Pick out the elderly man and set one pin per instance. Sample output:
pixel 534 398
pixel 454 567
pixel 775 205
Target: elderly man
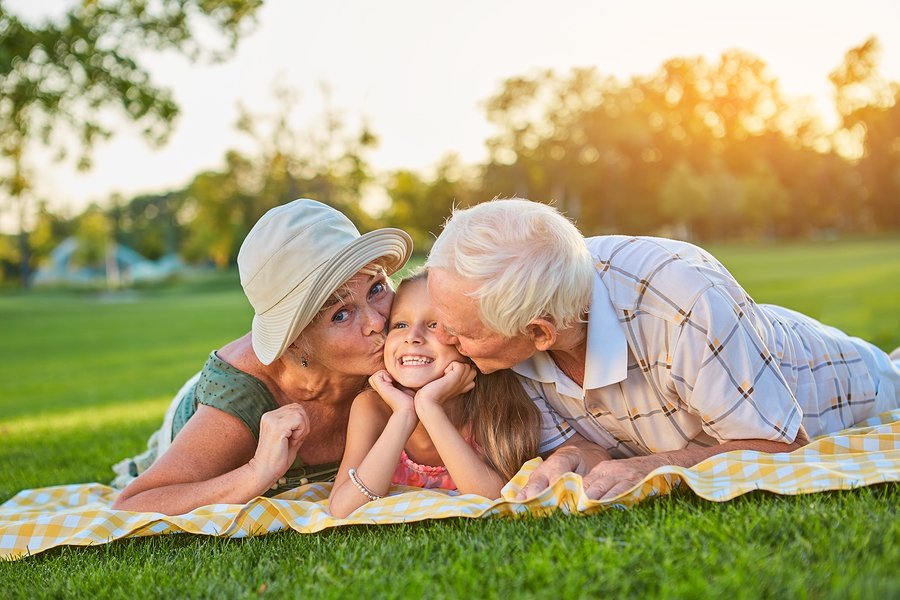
pixel 646 347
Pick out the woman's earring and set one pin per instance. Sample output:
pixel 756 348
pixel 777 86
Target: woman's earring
pixel 304 362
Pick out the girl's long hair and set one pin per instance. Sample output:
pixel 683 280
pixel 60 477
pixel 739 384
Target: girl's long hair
pixel 504 422
pixel 501 418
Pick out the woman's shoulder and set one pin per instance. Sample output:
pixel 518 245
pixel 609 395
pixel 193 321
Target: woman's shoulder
pixel 220 378
pixel 225 387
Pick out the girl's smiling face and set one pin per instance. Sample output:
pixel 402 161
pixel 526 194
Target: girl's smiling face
pixel 412 353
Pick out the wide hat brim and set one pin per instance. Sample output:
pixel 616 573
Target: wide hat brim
pixel 277 328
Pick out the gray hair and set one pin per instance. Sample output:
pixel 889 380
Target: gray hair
pixel 528 260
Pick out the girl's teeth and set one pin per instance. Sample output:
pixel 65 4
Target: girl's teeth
pixel 408 360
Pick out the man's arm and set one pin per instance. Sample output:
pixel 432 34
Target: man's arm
pixel 610 478
pixel 607 478
pixel 717 355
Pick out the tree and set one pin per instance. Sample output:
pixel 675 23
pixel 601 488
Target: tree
pixel 94 235
pixel 9 257
pixel 711 148
pixel 63 76
pixel 684 199
pixel 219 207
pixel 147 223
pixel 48 230
pixel 420 206
pixel 764 201
pixel 869 107
pixel 325 162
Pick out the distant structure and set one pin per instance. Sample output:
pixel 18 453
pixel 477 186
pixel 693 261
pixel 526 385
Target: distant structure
pixel 123 267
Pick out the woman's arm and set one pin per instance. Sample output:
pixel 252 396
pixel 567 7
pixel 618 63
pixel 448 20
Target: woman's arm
pixel 215 459
pixel 470 472
pixel 376 434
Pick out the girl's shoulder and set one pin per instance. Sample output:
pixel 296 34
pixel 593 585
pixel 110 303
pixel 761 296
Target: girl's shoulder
pixel 369 402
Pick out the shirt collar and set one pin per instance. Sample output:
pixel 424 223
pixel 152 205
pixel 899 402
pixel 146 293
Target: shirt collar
pixel 607 350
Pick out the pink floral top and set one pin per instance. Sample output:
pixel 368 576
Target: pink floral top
pixel 423 476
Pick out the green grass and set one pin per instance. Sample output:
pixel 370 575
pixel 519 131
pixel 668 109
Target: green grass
pixel 85 377
pixel 83 381
pixel 853 286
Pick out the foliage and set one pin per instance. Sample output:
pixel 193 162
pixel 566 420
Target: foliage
pixel 710 150
pixel 326 162
pixel 420 206
pixel 699 149
pixel 148 223
pixel 9 257
pixel 870 107
pixel 94 236
pixel 66 72
pixel 58 78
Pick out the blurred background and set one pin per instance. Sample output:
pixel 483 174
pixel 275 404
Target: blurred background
pixel 141 139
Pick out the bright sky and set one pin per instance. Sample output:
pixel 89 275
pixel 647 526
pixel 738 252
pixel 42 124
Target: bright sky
pixel 418 72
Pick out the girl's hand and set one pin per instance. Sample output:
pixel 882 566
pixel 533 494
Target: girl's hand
pixel 458 379
pixel 281 433
pixel 397 399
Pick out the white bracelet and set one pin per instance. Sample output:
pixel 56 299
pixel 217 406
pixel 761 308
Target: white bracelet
pixel 362 487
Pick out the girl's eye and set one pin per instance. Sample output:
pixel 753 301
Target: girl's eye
pixel 432 325
pixel 340 316
pixel 399 325
pixel 377 289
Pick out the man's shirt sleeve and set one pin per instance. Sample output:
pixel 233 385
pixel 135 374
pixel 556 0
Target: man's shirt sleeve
pixel 725 374
pixel 554 429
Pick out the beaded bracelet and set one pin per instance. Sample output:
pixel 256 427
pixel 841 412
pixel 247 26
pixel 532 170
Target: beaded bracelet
pixel 362 487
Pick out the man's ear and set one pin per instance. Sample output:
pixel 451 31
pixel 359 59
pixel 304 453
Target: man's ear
pixel 542 333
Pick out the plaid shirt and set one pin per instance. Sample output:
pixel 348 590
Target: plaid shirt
pixel 679 355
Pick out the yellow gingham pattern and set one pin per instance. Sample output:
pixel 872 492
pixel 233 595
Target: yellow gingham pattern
pixel 79 515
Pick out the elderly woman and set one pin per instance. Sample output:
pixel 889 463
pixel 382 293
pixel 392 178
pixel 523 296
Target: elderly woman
pixel 269 410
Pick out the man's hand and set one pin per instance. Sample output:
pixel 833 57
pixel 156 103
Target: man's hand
pixel 613 477
pixel 576 456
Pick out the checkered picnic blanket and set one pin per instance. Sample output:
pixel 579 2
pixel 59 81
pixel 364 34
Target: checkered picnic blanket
pixel 80 515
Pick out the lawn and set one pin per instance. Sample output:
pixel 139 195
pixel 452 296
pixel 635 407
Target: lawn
pixel 85 378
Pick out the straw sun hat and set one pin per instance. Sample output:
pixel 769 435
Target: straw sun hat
pixel 295 257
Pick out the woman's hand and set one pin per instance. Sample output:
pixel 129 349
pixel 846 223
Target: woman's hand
pixel 398 400
pixel 458 379
pixel 281 433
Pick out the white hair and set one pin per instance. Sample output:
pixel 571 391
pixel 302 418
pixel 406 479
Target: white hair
pixel 528 260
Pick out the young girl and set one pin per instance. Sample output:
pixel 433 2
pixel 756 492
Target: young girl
pixel 427 421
